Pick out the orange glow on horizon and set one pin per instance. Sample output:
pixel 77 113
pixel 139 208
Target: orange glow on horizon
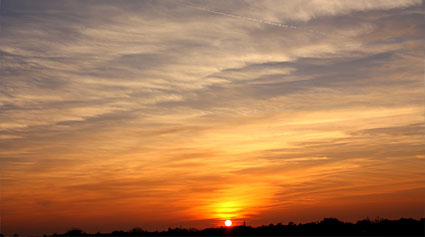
pixel 153 121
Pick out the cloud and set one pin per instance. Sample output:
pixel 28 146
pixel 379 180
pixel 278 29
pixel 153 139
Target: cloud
pixel 308 10
pixel 144 104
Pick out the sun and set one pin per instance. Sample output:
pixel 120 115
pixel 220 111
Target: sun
pixel 228 223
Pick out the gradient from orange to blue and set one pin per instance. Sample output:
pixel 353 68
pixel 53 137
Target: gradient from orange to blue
pixel 117 114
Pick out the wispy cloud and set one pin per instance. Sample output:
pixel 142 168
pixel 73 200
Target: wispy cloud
pixel 171 110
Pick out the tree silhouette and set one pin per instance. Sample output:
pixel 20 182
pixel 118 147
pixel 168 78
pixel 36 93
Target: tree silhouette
pixel 326 227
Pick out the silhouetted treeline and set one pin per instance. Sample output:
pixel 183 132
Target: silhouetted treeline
pixel 326 227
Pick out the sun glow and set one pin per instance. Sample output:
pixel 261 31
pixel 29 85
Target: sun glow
pixel 228 223
pixel 234 202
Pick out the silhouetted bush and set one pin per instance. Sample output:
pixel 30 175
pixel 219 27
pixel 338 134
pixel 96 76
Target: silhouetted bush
pixel 74 232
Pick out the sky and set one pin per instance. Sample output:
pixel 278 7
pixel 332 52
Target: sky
pixel 157 114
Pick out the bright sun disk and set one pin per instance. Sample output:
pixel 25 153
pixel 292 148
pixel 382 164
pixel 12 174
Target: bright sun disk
pixel 228 223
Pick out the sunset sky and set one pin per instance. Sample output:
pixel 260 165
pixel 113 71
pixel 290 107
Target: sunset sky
pixel 117 114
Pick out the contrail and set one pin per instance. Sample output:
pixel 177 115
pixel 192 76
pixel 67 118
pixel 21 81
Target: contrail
pixel 257 20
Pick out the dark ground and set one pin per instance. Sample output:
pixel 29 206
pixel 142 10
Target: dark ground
pixel 326 227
